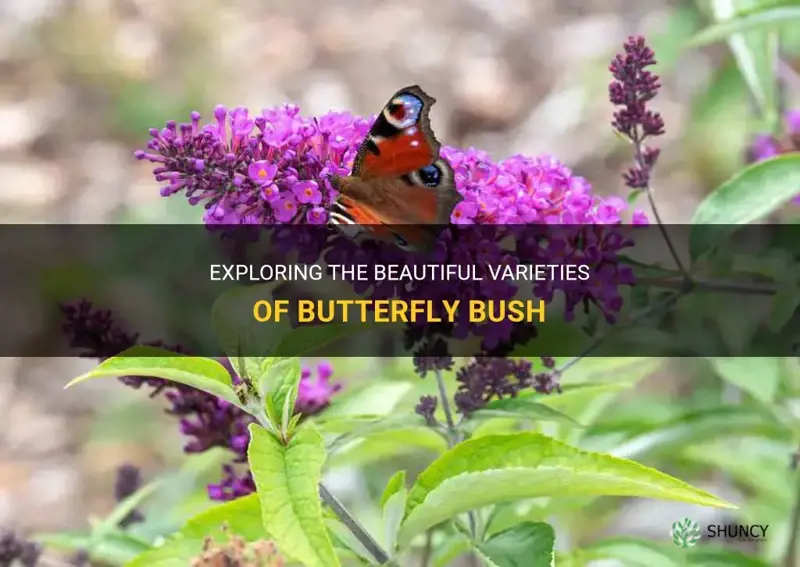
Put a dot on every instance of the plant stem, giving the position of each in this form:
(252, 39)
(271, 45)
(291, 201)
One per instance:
(790, 559)
(455, 437)
(662, 227)
(362, 535)
(648, 189)
(448, 413)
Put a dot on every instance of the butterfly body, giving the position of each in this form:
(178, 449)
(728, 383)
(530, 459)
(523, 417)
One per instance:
(399, 182)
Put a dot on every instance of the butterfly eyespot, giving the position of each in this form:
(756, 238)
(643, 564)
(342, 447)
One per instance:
(397, 110)
(429, 176)
(403, 111)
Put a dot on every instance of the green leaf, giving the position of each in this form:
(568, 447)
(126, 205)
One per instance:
(376, 399)
(239, 334)
(453, 547)
(395, 485)
(116, 547)
(784, 305)
(242, 516)
(727, 422)
(527, 544)
(287, 478)
(756, 54)
(111, 522)
(501, 468)
(204, 374)
(388, 444)
(307, 339)
(642, 553)
(759, 377)
(748, 196)
(400, 422)
(767, 16)
(635, 552)
(522, 408)
(720, 557)
(393, 513)
(280, 380)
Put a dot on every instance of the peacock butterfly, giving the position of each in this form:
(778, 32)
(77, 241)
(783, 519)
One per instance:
(399, 183)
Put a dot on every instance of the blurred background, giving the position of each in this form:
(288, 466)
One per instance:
(83, 80)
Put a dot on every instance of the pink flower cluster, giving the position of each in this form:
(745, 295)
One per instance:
(274, 168)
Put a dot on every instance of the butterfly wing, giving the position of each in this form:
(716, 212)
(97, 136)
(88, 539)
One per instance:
(401, 140)
(398, 177)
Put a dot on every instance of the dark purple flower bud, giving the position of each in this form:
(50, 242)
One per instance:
(487, 379)
(16, 550)
(432, 355)
(129, 480)
(427, 408)
(95, 334)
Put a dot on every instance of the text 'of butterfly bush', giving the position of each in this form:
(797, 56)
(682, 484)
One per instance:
(274, 169)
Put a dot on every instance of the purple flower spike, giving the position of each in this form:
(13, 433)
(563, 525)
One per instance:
(630, 91)
(315, 392)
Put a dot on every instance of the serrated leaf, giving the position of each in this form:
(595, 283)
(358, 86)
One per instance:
(242, 516)
(204, 374)
(522, 408)
(751, 194)
(759, 377)
(395, 484)
(501, 468)
(287, 478)
(764, 16)
(529, 544)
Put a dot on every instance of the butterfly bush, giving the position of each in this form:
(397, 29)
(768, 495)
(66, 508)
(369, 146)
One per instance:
(274, 169)
(206, 421)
